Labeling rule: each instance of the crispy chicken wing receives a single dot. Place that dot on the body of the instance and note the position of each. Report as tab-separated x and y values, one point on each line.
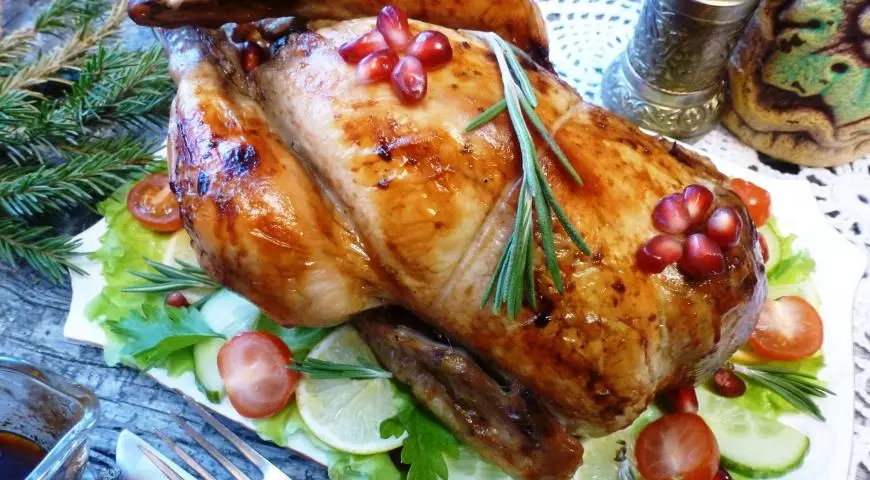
318	197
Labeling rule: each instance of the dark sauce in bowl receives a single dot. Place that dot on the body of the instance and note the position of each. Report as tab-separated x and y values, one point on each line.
18	456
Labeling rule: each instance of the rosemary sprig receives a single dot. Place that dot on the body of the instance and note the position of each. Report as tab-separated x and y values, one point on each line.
323	370
513	279
797	388
166	278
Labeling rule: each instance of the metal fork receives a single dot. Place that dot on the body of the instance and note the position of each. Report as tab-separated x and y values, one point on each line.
270	472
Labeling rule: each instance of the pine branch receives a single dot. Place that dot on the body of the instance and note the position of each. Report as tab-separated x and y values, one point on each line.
47	254
45	68
15	45
125	90
55	109
82	179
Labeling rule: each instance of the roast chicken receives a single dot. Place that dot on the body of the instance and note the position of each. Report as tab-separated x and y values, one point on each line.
320	198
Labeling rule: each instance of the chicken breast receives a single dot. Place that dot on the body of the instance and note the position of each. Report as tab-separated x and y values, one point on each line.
318	197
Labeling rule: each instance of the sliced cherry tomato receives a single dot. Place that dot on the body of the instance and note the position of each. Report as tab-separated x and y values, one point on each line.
788	328
253	366
757	199
677	446
153	204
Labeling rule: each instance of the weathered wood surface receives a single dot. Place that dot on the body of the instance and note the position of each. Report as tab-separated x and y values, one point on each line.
32	313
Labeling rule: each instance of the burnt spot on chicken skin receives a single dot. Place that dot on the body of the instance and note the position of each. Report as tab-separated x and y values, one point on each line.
505	422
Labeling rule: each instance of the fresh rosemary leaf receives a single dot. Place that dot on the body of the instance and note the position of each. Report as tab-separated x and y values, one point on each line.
166	278
545	226
487	116
518	72
562	216
551	142
799	389
323	370
513	280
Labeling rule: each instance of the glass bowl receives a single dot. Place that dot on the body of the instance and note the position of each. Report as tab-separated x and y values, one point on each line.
51	411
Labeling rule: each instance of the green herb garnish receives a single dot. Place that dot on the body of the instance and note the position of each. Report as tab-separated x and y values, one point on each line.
152	336
167	279
428	444
797	388
514	275
323	370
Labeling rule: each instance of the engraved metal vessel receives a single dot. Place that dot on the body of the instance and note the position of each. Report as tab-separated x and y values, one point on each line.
670	79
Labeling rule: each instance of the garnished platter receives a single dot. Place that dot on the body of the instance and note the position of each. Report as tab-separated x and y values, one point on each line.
839	266
486	282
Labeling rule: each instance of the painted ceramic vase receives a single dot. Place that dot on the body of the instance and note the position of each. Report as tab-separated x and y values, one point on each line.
800	81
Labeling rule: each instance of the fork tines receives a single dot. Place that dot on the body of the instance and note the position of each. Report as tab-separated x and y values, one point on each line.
270	471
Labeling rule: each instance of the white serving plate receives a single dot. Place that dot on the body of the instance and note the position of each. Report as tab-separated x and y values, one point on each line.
839	267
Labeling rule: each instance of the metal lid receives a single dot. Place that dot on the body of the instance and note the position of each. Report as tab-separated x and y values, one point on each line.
713	11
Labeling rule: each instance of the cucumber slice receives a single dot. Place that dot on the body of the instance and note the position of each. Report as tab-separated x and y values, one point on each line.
229	314
750	444
205	369
774	247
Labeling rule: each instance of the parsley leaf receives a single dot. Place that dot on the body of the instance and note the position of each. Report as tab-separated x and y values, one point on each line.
427	444
153	335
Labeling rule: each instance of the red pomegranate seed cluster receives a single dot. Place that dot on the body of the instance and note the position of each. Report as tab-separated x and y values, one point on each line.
699	253
377	55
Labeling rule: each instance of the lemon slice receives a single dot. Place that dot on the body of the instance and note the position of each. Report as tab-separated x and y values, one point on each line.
347	414
178	248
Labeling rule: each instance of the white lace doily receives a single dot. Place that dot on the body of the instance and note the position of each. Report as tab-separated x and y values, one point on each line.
586	35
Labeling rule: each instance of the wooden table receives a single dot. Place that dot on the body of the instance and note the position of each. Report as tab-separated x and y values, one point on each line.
32	314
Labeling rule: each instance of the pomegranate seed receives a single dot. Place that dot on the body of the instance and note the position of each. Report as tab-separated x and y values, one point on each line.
697	199
659	252
376	67
765	250
728	384
722	474
177	300
252	56
702	256
409	80
670	214
431	48
355	50
723	227
679	400
393	24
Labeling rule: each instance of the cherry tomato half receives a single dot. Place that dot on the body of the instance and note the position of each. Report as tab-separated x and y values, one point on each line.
253	366
153	204
679	445
757	199
788	328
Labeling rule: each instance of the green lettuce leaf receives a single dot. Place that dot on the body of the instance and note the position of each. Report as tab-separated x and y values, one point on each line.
363	467
793	267
428	444
154	334
123	247
179	362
